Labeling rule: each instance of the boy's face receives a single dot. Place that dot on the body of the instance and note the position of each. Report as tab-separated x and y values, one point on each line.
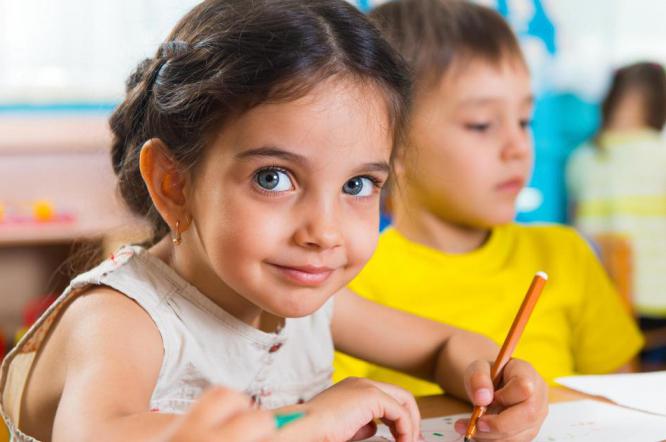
470	150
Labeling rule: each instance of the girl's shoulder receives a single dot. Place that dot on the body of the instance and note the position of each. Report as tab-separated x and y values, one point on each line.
94	336
103	309
101	321
131	268
93	323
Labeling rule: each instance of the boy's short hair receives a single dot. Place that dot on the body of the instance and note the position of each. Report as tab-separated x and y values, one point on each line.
433	34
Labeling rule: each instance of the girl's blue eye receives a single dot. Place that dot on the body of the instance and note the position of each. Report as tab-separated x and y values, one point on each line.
358	186
273	180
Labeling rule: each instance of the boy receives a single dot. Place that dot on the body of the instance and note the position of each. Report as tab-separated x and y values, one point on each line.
453	253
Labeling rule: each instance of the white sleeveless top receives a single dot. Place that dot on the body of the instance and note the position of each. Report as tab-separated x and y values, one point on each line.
203	344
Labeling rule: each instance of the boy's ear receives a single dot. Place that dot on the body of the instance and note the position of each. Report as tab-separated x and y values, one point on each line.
166	182
399	162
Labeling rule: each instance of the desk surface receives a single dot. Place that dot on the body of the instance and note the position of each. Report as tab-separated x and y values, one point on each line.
442	405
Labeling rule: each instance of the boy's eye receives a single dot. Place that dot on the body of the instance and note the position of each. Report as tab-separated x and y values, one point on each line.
478	127
526	124
358	186
273	180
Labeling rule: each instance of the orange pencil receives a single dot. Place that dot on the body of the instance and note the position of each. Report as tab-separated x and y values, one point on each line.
510	343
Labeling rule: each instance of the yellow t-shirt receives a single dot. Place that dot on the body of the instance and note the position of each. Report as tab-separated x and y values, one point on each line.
578	326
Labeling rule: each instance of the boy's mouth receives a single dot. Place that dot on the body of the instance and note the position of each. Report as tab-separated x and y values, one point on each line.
513	185
304	275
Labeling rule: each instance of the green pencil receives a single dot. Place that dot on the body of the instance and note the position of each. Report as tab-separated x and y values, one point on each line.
283	419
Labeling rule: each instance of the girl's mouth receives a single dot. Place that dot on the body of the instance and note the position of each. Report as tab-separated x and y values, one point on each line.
304	275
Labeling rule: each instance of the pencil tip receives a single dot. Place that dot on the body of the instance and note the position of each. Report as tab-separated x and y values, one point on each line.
466	439
543	275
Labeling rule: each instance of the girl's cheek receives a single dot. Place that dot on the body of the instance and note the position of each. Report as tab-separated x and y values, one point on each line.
363	242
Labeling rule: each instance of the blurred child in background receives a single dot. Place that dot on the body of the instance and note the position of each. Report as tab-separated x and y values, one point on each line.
617	186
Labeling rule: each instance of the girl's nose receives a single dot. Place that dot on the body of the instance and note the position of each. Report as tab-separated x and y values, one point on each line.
320	230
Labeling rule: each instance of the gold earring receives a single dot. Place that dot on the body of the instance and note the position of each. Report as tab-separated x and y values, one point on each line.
177	239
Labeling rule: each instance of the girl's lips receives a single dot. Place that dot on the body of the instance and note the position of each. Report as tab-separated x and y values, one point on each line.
305	275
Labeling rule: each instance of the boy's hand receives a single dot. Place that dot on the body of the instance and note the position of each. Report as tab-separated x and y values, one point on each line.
347	411
517	408
222	414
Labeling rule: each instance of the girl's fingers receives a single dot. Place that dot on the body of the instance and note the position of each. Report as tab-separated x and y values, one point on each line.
250	426
216	406
366	431
222	414
406	399
396	417
478	384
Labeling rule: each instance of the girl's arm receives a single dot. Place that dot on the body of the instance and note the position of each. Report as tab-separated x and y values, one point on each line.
220	415
113	353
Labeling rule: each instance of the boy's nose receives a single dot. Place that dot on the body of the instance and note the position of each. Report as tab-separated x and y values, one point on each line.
517	145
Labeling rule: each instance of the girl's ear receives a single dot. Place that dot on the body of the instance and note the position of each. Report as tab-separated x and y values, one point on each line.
166	182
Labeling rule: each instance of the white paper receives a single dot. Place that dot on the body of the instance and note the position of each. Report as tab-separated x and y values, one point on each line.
643	391
438	429
591	420
587	420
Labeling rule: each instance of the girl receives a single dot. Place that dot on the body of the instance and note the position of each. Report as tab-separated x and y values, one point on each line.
256	141
470	155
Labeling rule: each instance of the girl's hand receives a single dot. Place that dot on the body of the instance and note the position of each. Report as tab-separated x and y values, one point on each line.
347	411
520	405
222	414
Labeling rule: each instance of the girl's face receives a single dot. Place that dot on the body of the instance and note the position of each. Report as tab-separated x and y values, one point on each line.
472	145
285	206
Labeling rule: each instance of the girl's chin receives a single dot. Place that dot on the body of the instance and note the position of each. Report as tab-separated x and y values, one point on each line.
297	308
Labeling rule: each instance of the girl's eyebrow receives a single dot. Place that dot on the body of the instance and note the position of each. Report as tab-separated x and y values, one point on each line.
380	166
273	152
276	152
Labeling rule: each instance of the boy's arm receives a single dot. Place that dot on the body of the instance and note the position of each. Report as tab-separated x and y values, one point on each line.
408	343
628	368
458	360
